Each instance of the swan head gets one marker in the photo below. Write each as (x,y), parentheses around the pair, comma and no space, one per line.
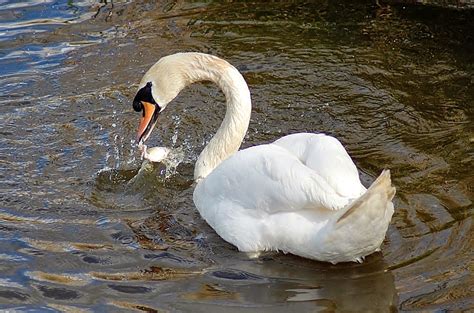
(158,87)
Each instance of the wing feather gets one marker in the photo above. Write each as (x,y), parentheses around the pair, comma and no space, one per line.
(270,179)
(326,156)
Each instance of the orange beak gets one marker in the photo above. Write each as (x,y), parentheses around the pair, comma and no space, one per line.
(146,121)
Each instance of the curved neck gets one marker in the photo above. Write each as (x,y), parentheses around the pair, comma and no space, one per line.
(233,128)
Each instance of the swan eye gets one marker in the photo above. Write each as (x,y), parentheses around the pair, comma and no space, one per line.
(137,106)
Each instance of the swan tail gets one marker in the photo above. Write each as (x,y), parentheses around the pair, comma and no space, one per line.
(374,204)
(360,229)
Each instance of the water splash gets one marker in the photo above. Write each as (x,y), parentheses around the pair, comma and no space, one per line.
(169,166)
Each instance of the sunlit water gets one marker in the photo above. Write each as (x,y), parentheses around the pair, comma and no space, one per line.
(81,228)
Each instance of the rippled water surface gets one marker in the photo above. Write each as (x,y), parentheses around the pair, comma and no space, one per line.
(82,230)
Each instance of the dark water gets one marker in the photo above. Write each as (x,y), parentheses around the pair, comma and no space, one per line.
(78,233)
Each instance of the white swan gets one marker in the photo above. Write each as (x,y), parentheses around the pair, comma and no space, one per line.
(300,194)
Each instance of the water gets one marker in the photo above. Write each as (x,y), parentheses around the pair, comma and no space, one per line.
(78,232)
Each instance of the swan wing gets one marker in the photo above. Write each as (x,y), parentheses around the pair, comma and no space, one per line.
(327,157)
(268,179)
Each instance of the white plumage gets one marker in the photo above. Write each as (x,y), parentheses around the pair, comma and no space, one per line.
(300,194)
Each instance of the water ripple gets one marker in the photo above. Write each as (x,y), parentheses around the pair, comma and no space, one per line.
(85,226)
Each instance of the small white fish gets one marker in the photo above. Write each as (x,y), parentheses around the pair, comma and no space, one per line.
(155,154)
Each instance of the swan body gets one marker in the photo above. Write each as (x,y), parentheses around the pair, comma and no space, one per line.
(300,194)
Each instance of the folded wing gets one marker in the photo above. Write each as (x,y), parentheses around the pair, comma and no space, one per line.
(297,172)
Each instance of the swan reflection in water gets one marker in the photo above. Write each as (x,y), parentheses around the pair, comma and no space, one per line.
(305,284)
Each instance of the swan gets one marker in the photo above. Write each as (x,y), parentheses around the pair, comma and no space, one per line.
(300,194)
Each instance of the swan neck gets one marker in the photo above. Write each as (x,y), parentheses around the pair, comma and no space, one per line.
(233,128)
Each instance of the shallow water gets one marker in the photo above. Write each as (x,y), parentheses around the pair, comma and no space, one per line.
(79,230)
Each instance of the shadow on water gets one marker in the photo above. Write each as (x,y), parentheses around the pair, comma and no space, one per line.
(85,226)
